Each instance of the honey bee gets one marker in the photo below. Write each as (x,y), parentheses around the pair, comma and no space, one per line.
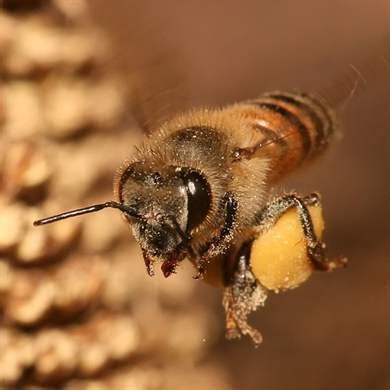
(199,188)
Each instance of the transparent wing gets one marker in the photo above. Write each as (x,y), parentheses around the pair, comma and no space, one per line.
(156,65)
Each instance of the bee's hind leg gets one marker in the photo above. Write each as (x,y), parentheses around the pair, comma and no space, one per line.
(242,295)
(315,248)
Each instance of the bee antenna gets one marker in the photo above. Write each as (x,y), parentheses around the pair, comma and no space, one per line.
(89,209)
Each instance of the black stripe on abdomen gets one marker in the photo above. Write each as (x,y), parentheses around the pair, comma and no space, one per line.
(325,110)
(315,110)
(318,123)
(293,120)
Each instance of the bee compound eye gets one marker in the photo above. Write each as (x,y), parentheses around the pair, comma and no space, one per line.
(199,198)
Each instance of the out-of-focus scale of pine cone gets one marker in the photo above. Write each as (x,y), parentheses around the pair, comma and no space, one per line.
(55,293)
(77,310)
(73,350)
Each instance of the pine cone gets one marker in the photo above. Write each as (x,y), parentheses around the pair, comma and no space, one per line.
(77,309)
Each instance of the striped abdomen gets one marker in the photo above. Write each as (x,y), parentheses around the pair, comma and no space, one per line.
(287,128)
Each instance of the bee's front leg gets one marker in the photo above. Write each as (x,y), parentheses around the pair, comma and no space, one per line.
(243,295)
(219,244)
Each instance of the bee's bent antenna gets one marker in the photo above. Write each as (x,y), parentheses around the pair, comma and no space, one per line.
(85,210)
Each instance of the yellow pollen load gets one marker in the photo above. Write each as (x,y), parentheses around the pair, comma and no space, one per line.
(278,257)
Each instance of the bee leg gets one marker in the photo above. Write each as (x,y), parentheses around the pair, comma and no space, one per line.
(219,244)
(270,137)
(243,295)
(315,248)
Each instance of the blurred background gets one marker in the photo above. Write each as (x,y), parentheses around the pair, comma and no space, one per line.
(77,310)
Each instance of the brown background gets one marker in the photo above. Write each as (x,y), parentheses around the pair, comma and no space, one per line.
(332,332)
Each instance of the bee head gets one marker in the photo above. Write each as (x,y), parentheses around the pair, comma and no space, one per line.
(163,207)
(170,203)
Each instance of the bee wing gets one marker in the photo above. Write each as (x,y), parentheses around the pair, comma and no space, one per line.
(158,70)
(159,90)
